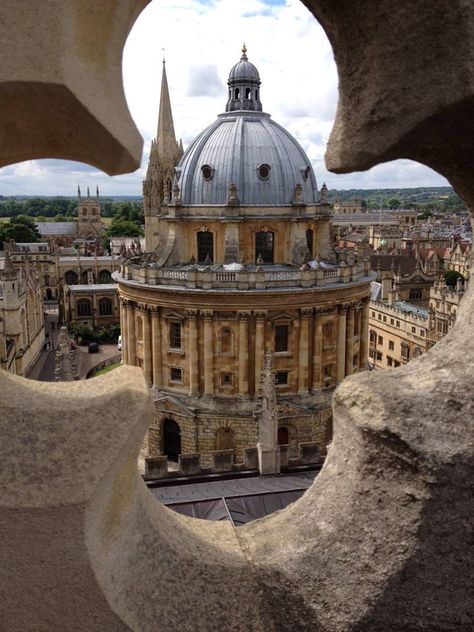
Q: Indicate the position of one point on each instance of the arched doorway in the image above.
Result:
(171, 439)
(283, 436)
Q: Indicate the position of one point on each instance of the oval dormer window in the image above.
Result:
(305, 172)
(207, 172)
(263, 171)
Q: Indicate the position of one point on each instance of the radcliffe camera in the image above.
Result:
(236, 365)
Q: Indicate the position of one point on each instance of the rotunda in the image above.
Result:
(239, 262)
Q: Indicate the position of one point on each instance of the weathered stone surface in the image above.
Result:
(156, 466)
(222, 460)
(189, 463)
(309, 452)
(251, 458)
(61, 93)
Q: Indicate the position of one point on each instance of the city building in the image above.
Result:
(22, 333)
(239, 261)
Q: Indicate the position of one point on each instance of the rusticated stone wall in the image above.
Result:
(380, 542)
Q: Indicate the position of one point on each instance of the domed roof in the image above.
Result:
(245, 148)
(244, 70)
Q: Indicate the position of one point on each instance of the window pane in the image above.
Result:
(281, 338)
(205, 246)
(175, 335)
(264, 246)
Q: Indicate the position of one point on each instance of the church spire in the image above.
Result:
(165, 136)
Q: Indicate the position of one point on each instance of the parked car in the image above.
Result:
(93, 347)
(119, 343)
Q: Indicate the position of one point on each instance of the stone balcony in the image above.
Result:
(251, 277)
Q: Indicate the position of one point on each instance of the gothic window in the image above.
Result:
(84, 307)
(225, 341)
(263, 171)
(309, 241)
(105, 276)
(415, 293)
(281, 338)
(328, 334)
(84, 278)
(405, 351)
(205, 246)
(105, 307)
(391, 345)
(264, 246)
(175, 335)
(71, 277)
(372, 337)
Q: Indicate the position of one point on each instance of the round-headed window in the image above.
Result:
(207, 172)
(263, 171)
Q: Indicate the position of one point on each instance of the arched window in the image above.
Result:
(205, 246)
(328, 333)
(264, 246)
(225, 341)
(309, 241)
(105, 307)
(71, 277)
(283, 435)
(248, 93)
(105, 276)
(256, 95)
(84, 307)
(225, 439)
(237, 92)
(171, 439)
(84, 277)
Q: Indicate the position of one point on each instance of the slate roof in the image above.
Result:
(57, 228)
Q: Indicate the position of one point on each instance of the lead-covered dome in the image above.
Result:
(244, 157)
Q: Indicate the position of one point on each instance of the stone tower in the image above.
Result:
(165, 153)
(89, 215)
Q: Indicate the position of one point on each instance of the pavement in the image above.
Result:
(43, 369)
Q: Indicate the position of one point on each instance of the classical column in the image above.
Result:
(131, 354)
(259, 348)
(193, 353)
(208, 355)
(147, 350)
(243, 354)
(156, 346)
(317, 350)
(123, 330)
(341, 342)
(350, 340)
(364, 336)
(303, 358)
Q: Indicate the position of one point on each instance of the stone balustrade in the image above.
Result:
(208, 278)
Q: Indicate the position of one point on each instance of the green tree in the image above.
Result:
(123, 228)
(21, 229)
(451, 277)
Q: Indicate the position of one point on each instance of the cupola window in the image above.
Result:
(305, 172)
(263, 171)
(207, 172)
(248, 93)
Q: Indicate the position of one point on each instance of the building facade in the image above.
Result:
(239, 261)
(22, 333)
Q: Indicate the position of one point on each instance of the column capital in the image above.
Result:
(154, 309)
(306, 312)
(129, 304)
(192, 314)
(143, 307)
(207, 315)
(260, 316)
(243, 316)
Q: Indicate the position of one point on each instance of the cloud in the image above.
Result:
(204, 81)
(202, 41)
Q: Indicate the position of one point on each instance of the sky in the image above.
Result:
(202, 40)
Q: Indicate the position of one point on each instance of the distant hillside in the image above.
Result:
(422, 198)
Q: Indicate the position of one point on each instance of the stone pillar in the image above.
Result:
(317, 350)
(131, 345)
(208, 355)
(156, 346)
(147, 350)
(193, 353)
(243, 354)
(123, 330)
(303, 359)
(259, 348)
(364, 337)
(350, 339)
(341, 343)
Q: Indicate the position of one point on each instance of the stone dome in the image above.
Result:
(246, 148)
